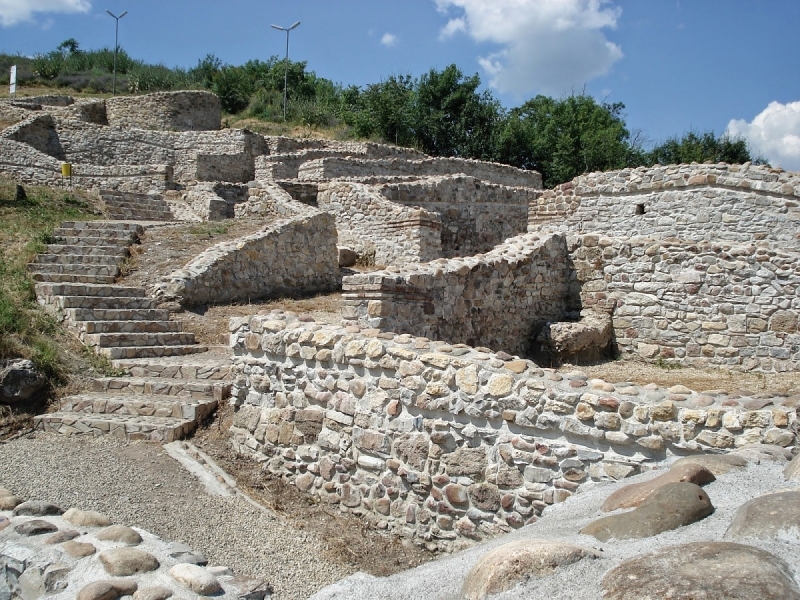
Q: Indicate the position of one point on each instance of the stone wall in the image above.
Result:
(238, 168)
(166, 111)
(379, 231)
(735, 203)
(39, 133)
(498, 300)
(25, 164)
(443, 443)
(352, 167)
(476, 216)
(293, 256)
(699, 304)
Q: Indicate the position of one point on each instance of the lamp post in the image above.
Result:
(286, 71)
(116, 45)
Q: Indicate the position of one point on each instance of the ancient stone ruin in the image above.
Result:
(432, 411)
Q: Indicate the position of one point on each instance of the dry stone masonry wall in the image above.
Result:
(443, 443)
(735, 203)
(700, 304)
(170, 111)
(498, 300)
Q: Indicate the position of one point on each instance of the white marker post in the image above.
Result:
(13, 81)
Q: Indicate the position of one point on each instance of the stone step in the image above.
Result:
(197, 389)
(100, 314)
(119, 236)
(67, 289)
(101, 302)
(143, 405)
(129, 352)
(126, 427)
(71, 278)
(207, 366)
(162, 326)
(84, 240)
(117, 340)
(79, 259)
(74, 268)
(140, 213)
(99, 250)
(88, 225)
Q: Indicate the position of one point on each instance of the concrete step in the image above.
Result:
(164, 326)
(120, 340)
(74, 268)
(126, 427)
(71, 278)
(101, 302)
(79, 259)
(99, 250)
(143, 405)
(67, 289)
(197, 389)
(128, 352)
(100, 314)
(206, 366)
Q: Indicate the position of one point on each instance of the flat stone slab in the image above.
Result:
(702, 571)
(718, 464)
(670, 506)
(767, 517)
(506, 566)
(633, 495)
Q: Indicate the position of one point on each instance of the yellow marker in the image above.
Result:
(66, 170)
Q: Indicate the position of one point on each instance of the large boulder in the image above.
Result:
(633, 495)
(670, 506)
(19, 381)
(718, 464)
(587, 340)
(506, 566)
(702, 571)
(766, 516)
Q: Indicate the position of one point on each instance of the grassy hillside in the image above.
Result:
(26, 225)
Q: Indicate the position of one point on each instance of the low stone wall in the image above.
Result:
(379, 231)
(39, 133)
(294, 256)
(692, 202)
(476, 216)
(443, 443)
(236, 168)
(498, 300)
(170, 111)
(25, 164)
(719, 304)
(352, 167)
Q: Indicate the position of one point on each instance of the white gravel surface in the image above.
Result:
(442, 579)
(140, 485)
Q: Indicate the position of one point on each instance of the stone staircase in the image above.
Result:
(169, 391)
(139, 207)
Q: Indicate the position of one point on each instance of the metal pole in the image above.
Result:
(286, 67)
(116, 46)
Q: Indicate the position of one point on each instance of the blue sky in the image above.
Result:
(723, 65)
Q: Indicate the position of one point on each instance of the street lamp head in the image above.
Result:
(295, 25)
(115, 16)
(123, 14)
(278, 27)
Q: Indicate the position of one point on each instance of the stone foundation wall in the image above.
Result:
(236, 168)
(699, 304)
(692, 202)
(353, 167)
(39, 133)
(293, 256)
(25, 164)
(476, 216)
(166, 111)
(442, 443)
(498, 300)
(380, 231)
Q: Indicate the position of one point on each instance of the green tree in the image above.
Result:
(701, 147)
(565, 138)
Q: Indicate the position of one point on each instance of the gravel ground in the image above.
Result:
(140, 485)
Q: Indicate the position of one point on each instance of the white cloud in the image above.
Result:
(389, 39)
(551, 46)
(773, 133)
(17, 11)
